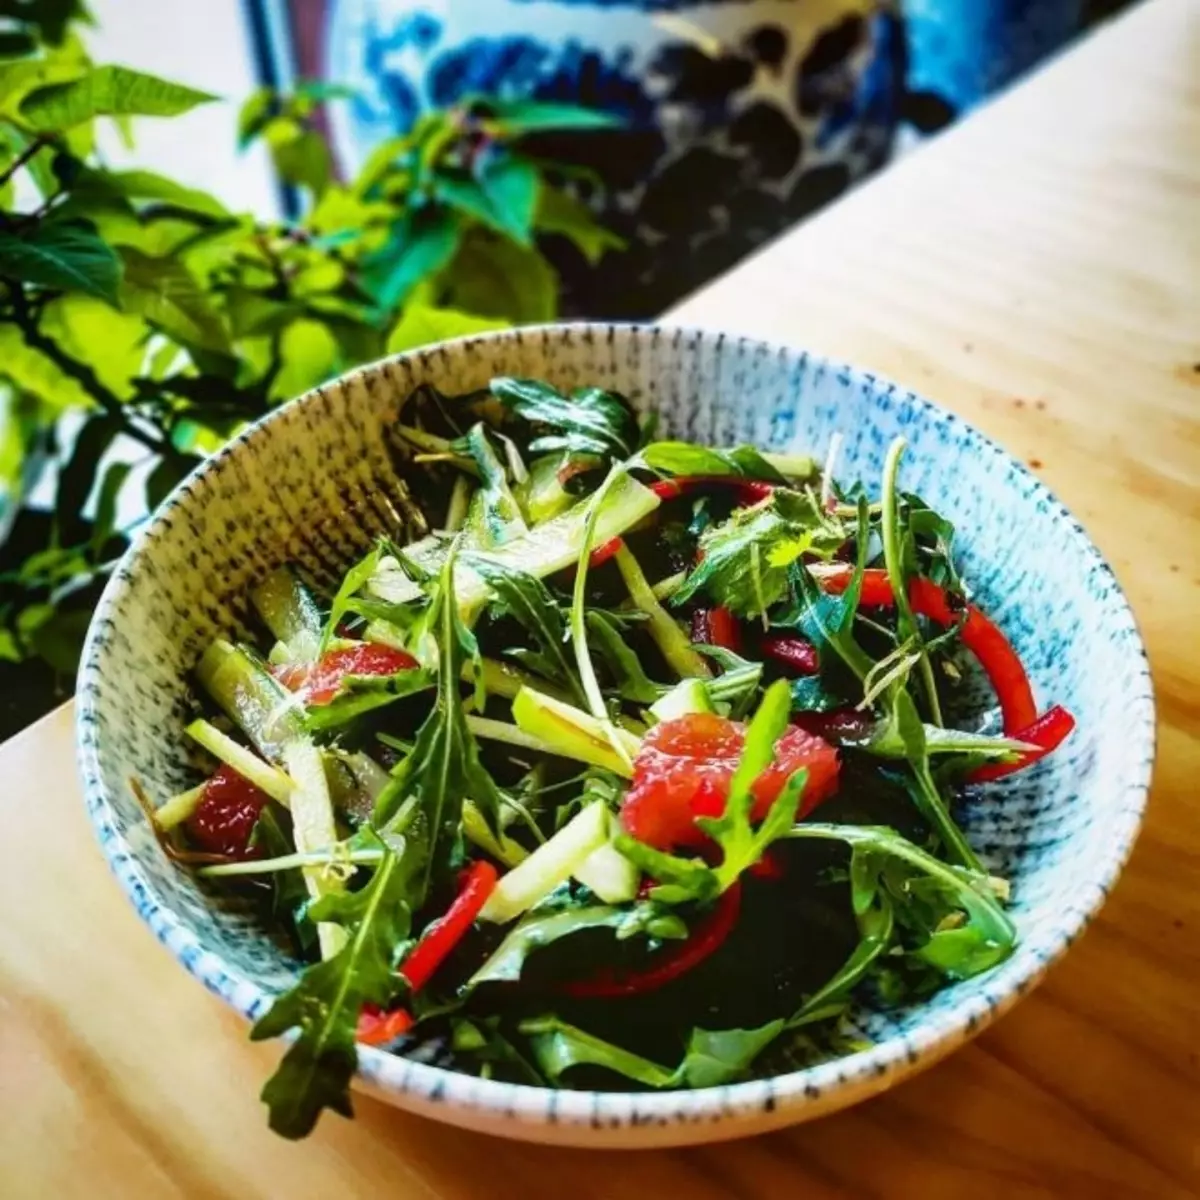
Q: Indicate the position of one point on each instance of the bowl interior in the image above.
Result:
(317, 480)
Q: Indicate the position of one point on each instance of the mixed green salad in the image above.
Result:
(623, 762)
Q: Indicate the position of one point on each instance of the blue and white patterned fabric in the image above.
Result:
(742, 115)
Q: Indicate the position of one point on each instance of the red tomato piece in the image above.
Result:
(321, 681)
(225, 817)
(685, 766)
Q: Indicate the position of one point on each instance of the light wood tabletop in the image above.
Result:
(1038, 271)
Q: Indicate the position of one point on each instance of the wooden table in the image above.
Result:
(1037, 270)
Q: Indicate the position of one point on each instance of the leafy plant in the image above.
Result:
(142, 323)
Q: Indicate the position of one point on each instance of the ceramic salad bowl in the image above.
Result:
(311, 484)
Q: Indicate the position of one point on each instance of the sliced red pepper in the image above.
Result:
(716, 627)
(792, 651)
(604, 552)
(750, 491)
(703, 941)
(376, 1027)
(320, 682)
(980, 635)
(1047, 733)
(439, 938)
(224, 820)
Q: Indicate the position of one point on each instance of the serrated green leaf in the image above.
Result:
(166, 293)
(418, 248)
(62, 257)
(106, 92)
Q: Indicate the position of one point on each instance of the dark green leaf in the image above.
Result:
(166, 293)
(78, 476)
(685, 458)
(529, 116)
(325, 1003)
(258, 108)
(528, 601)
(168, 472)
(496, 277)
(540, 929)
(737, 685)
(510, 186)
(364, 693)
(443, 768)
(559, 212)
(746, 559)
(589, 421)
(352, 583)
(64, 257)
(626, 669)
(107, 92)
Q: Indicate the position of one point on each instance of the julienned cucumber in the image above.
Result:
(684, 699)
(267, 714)
(574, 733)
(609, 874)
(243, 760)
(546, 548)
(289, 611)
(551, 864)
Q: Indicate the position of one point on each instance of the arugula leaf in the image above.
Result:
(712, 1057)
(746, 559)
(354, 581)
(589, 421)
(631, 680)
(737, 685)
(933, 535)
(887, 742)
(924, 893)
(325, 1003)
(685, 458)
(481, 1040)
(443, 768)
(540, 929)
(528, 601)
(494, 516)
(364, 693)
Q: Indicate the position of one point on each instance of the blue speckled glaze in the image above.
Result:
(316, 480)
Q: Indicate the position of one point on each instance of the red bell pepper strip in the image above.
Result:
(750, 491)
(716, 627)
(792, 652)
(440, 937)
(377, 1027)
(980, 635)
(704, 940)
(476, 885)
(604, 552)
(1047, 733)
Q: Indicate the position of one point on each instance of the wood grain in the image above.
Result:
(1038, 271)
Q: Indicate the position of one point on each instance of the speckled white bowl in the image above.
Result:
(311, 482)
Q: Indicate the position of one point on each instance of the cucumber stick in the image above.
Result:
(550, 865)
(289, 611)
(573, 733)
(245, 762)
(267, 714)
(684, 699)
(608, 873)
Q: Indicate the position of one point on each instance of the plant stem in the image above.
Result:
(22, 158)
(895, 568)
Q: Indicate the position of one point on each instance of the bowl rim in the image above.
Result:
(815, 1088)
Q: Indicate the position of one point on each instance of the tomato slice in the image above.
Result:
(320, 682)
(685, 766)
(225, 817)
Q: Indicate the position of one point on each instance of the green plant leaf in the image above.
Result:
(166, 293)
(535, 116)
(304, 160)
(104, 523)
(425, 324)
(685, 458)
(495, 277)
(310, 354)
(631, 680)
(504, 195)
(169, 471)
(63, 257)
(589, 421)
(256, 110)
(418, 247)
(148, 185)
(78, 474)
(528, 601)
(106, 92)
(325, 1003)
(559, 212)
